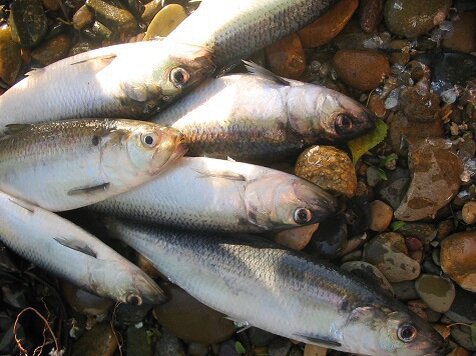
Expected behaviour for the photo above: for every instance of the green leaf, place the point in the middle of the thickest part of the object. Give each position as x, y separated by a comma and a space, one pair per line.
473, 333
239, 348
360, 145
382, 174
396, 225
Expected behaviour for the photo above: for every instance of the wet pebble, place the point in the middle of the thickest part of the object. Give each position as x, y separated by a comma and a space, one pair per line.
418, 106
329, 168
165, 21
458, 258
324, 29
370, 273
10, 56
297, 238
436, 172
191, 320
52, 50
426, 232
370, 13
329, 240
28, 22
394, 188
100, 340
113, 16
463, 309
314, 350
462, 335
98, 32
83, 17
438, 292
377, 106
381, 215
84, 302
411, 18
462, 37
169, 345
469, 212
363, 70
405, 290
389, 254
150, 10
286, 57
401, 56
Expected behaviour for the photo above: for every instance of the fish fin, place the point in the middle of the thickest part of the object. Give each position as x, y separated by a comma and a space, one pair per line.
242, 325
23, 204
100, 61
316, 339
156, 38
77, 245
12, 129
89, 190
34, 71
223, 174
226, 69
230, 159
258, 70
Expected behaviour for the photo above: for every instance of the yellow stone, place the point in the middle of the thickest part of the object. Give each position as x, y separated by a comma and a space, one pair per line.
165, 21
10, 56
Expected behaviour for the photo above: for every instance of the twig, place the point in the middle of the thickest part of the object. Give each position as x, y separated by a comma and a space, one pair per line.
119, 342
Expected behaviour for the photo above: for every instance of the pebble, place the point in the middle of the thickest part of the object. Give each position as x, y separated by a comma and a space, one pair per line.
435, 180
411, 18
370, 13
297, 238
113, 16
469, 212
10, 56
381, 215
52, 50
259, 337
363, 70
28, 22
394, 188
462, 37
83, 17
370, 273
137, 342
127, 314
462, 335
227, 349
279, 347
314, 350
165, 21
459, 351
286, 57
418, 107
377, 106
100, 340
426, 232
150, 10
389, 254
84, 302
438, 292
329, 168
405, 290
191, 320
197, 349
402, 56
52, 5
329, 25
415, 248
80, 47
98, 32
169, 345
463, 309
458, 258
329, 240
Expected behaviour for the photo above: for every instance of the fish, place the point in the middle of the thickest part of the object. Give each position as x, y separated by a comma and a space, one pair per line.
234, 29
67, 164
121, 81
259, 283
257, 117
67, 251
212, 194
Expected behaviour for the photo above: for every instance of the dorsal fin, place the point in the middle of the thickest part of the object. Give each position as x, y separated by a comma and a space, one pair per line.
89, 189
256, 69
316, 339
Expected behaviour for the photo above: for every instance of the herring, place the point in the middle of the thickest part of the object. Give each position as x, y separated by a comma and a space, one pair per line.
69, 252
263, 117
121, 81
285, 292
212, 194
67, 164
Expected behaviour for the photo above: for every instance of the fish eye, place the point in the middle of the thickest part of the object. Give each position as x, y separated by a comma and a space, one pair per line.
134, 299
179, 77
302, 216
150, 140
407, 332
343, 124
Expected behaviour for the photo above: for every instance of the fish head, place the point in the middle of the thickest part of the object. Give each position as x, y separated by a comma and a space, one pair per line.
281, 200
397, 331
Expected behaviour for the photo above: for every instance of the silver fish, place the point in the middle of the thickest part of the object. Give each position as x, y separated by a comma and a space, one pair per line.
69, 252
211, 194
282, 291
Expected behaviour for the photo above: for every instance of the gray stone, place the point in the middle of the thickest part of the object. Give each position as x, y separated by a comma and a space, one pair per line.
405, 290
438, 292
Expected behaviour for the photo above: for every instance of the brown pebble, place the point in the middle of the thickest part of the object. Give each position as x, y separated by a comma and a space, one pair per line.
381, 215
469, 212
314, 350
459, 351
286, 57
463, 35
444, 330
402, 55
52, 50
377, 105
10, 56
371, 13
363, 70
100, 340
417, 107
296, 238
83, 17
329, 25
52, 5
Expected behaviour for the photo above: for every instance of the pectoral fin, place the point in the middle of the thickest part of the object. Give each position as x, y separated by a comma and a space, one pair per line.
222, 174
90, 190
98, 62
77, 245
316, 339
256, 69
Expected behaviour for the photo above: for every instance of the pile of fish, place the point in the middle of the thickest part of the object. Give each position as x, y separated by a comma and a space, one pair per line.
69, 141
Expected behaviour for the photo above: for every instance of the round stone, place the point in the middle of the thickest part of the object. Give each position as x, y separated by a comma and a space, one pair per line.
381, 215
438, 292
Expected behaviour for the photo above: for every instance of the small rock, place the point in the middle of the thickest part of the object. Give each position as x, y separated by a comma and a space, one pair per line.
165, 21
426, 232
150, 10
462, 335
191, 320
462, 37
52, 50
381, 216
227, 349
197, 349
329, 168
411, 18
394, 188
438, 292
296, 238
52, 5
405, 290
259, 337
389, 254
137, 342
314, 350
403, 56
469, 212
458, 258
279, 347
370, 273
363, 70
100, 340
435, 180
371, 13
415, 248
326, 27
28, 22
463, 309
112, 16
10, 56
459, 351
83, 17
377, 106
417, 107
128, 314
169, 345
80, 47
84, 302
329, 240
445, 228
286, 57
